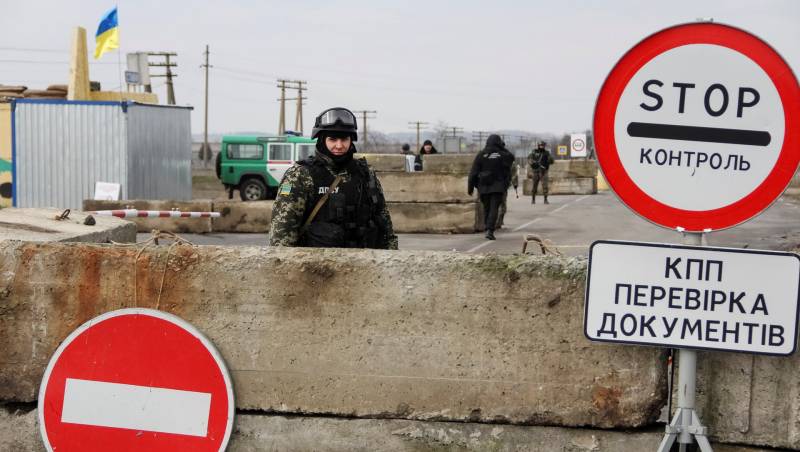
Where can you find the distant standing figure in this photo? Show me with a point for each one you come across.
(539, 160)
(491, 175)
(427, 148)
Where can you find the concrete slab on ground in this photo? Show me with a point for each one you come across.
(40, 225)
(19, 432)
(423, 187)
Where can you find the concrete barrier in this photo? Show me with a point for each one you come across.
(570, 186)
(40, 225)
(383, 163)
(569, 169)
(256, 433)
(376, 334)
(356, 333)
(237, 216)
(190, 225)
(256, 216)
(432, 218)
(425, 187)
(448, 163)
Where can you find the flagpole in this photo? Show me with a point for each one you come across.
(119, 58)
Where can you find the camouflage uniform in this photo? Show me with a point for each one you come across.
(295, 198)
(514, 183)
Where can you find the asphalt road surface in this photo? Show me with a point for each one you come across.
(572, 223)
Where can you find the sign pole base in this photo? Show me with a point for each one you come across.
(686, 427)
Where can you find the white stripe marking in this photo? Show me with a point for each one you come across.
(523, 226)
(136, 407)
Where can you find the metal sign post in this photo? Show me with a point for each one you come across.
(692, 297)
(686, 426)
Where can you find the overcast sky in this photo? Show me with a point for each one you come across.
(480, 65)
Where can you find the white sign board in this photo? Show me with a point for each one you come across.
(138, 62)
(693, 297)
(106, 191)
(577, 145)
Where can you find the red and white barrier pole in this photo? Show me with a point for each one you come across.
(135, 213)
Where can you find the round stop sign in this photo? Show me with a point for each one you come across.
(136, 379)
(696, 127)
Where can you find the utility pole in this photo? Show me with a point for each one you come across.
(206, 147)
(364, 116)
(169, 75)
(480, 136)
(298, 121)
(282, 113)
(418, 125)
(454, 133)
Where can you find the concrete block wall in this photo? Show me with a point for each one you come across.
(567, 177)
(424, 336)
(344, 334)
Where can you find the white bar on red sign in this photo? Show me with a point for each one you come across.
(134, 213)
(134, 407)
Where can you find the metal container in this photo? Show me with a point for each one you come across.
(62, 148)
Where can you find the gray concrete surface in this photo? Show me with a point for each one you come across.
(572, 223)
(422, 187)
(40, 225)
(432, 217)
(563, 186)
(423, 335)
(255, 433)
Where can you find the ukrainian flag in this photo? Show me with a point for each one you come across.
(107, 36)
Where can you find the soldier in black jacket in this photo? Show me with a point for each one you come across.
(491, 175)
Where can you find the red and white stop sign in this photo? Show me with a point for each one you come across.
(136, 379)
(696, 127)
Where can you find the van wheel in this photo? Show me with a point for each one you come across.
(253, 190)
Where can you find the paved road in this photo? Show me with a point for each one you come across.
(572, 223)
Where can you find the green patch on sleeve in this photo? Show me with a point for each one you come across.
(285, 189)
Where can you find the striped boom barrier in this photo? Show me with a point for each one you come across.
(134, 213)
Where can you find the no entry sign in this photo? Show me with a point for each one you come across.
(693, 297)
(696, 127)
(136, 379)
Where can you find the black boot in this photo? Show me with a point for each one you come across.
(545, 200)
(490, 234)
(533, 199)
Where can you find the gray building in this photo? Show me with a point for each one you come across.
(60, 149)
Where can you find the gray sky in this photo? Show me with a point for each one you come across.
(530, 65)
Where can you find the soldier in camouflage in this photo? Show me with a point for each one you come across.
(332, 199)
(501, 212)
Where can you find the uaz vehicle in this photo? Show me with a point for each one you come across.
(255, 165)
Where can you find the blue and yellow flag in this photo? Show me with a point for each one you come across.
(107, 35)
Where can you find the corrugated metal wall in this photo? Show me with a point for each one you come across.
(63, 148)
(159, 152)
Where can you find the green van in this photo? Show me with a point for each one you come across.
(255, 165)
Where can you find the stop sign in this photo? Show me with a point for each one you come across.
(136, 379)
(696, 127)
